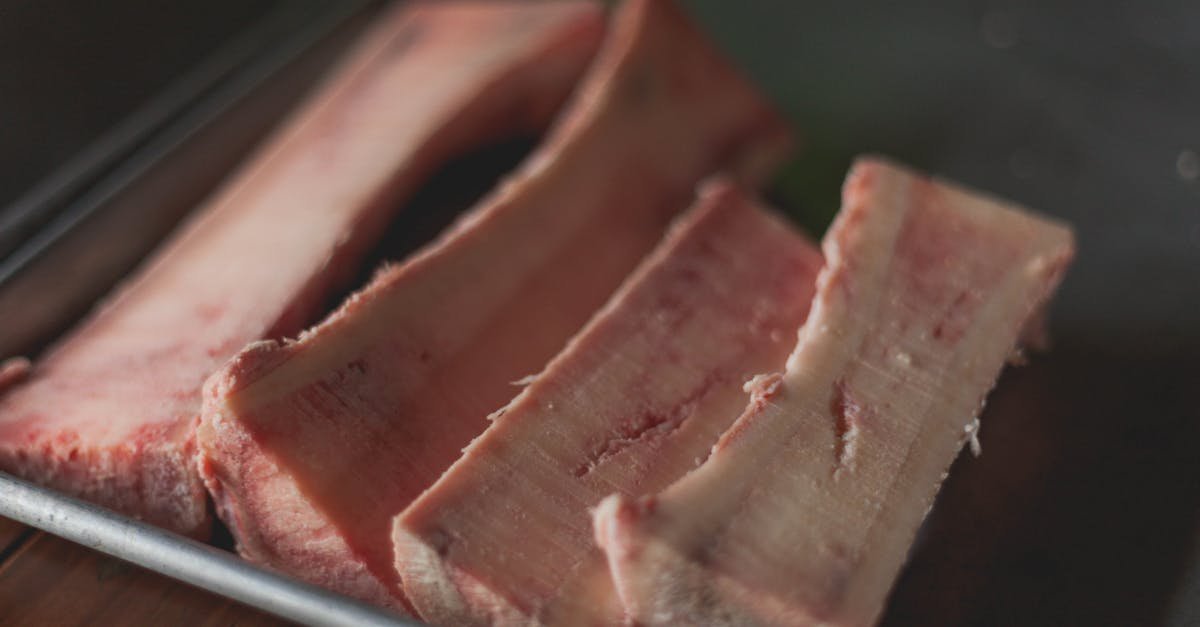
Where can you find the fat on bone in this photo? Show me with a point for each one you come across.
(806, 509)
(311, 448)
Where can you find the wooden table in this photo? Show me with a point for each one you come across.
(45, 580)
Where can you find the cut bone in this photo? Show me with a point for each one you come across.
(108, 414)
(636, 400)
(310, 448)
(806, 509)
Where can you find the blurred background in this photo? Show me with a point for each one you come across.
(1085, 505)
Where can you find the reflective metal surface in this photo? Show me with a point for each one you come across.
(183, 559)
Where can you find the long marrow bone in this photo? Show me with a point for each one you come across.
(807, 507)
(311, 447)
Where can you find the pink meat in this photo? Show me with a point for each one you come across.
(807, 507)
(636, 400)
(108, 413)
(310, 448)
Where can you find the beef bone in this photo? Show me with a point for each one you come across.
(805, 510)
(310, 448)
(636, 400)
(108, 413)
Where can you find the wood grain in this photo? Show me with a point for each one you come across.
(49, 581)
(11, 533)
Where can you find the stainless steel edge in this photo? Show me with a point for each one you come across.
(180, 558)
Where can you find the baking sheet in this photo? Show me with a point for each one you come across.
(1084, 507)
(64, 242)
(189, 561)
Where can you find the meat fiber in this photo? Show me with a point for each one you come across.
(108, 413)
(636, 400)
(310, 448)
(806, 509)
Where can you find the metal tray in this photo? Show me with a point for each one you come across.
(66, 241)
(1084, 507)
(72, 236)
(180, 558)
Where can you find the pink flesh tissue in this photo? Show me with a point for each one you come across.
(636, 400)
(108, 414)
(807, 507)
(310, 448)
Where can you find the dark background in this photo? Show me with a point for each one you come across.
(71, 69)
(1086, 110)
(1084, 508)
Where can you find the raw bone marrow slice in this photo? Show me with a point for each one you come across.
(808, 505)
(636, 399)
(108, 413)
(341, 429)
